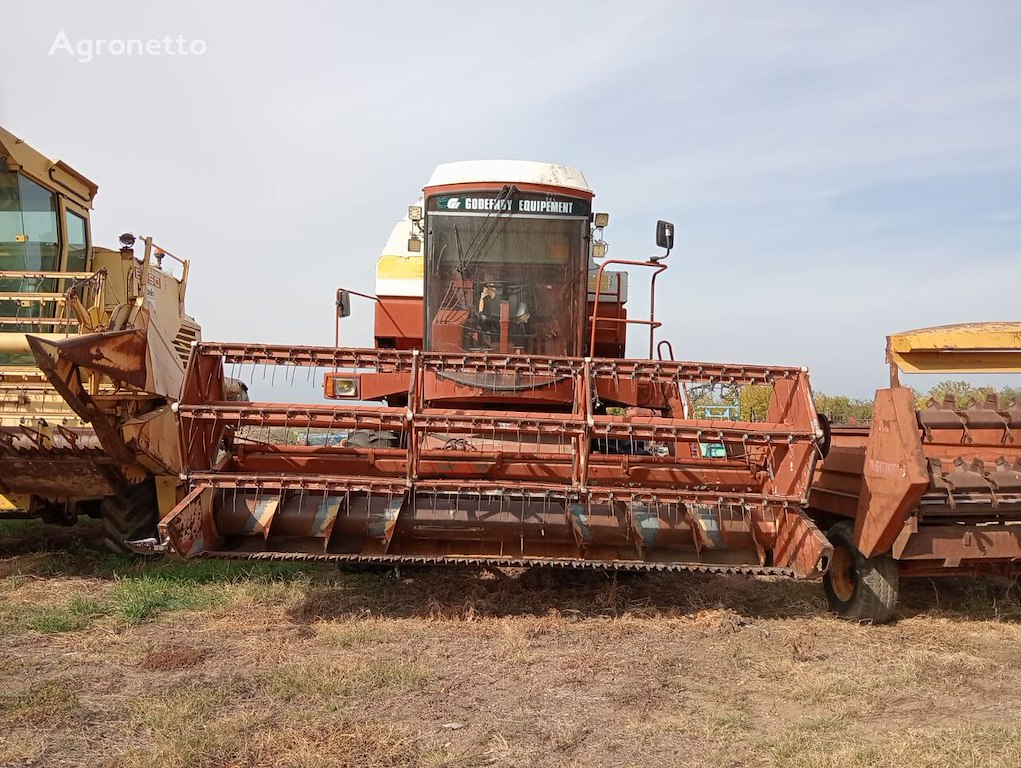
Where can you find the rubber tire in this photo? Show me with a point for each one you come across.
(876, 580)
(827, 434)
(131, 514)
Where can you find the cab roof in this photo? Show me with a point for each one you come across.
(55, 175)
(509, 172)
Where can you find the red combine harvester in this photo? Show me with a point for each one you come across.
(497, 421)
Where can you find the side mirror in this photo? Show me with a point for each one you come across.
(665, 235)
(415, 245)
(343, 304)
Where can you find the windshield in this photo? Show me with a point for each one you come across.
(497, 282)
(28, 243)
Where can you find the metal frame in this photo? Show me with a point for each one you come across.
(937, 488)
(653, 324)
(571, 500)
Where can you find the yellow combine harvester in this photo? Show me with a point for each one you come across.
(56, 285)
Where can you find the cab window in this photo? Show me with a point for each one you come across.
(77, 243)
(28, 243)
(28, 225)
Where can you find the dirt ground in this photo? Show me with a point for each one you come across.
(109, 661)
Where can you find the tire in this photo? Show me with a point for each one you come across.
(131, 514)
(857, 587)
(827, 434)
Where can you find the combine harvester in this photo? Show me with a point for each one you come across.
(934, 491)
(56, 287)
(496, 421)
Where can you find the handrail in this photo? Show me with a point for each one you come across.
(65, 303)
(651, 322)
(32, 296)
(39, 321)
(43, 275)
(153, 250)
(79, 279)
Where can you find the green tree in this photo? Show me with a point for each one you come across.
(841, 409)
(962, 392)
(754, 401)
(1010, 395)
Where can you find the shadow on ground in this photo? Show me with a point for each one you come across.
(452, 593)
(29, 547)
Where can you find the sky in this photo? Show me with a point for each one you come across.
(836, 171)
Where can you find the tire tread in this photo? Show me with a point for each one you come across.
(130, 514)
(877, 584)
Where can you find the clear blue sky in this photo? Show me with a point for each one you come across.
(836, 171)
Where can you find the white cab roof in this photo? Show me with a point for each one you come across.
(509, 172)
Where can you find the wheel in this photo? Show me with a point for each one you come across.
(131, 514)
(827, 434)
(858, 587)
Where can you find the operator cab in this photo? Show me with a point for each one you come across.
(506, 263)
(44, 234)
(497, 257)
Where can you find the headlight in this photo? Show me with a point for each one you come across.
(345, 386)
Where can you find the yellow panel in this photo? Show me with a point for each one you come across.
(985, 347)
(55, 175)
(400, 267)
(14, 501)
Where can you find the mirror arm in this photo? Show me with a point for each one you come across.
(338, 304)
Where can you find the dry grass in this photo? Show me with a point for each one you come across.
(22, 749)
(45, 704)
(128, 664)
(350, 634)
(971, 745)
(341, 678)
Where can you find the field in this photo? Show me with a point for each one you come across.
(109, 661)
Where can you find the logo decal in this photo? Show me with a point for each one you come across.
(449, 203)
(545, 205)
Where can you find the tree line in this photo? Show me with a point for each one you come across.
(752, 401)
